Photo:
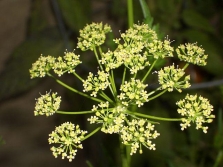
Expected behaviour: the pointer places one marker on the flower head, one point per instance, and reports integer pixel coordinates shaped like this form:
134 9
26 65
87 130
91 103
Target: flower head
112 119
196 110
92 35
139 132
192 53
42 66
169 78
67 138
131 52
133 92
66 63
47 104
96 83
160 49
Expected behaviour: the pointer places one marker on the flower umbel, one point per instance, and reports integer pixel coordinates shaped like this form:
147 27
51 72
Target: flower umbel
96 83
192 53
42 66
47 104
111 118
169 78
139 132
195 109
66 63
68 138
133 93
92 35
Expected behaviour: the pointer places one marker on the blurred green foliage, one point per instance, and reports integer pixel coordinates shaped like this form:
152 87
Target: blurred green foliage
182 20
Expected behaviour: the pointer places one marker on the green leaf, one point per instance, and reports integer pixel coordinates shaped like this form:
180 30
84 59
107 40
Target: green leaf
76 13
15 77
196 20
146 13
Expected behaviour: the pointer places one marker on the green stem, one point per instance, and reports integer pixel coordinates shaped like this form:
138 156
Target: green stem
185 66
74 112
92 133
130 13
123 77
112 81
102 94
78 76
151 67
152 117
124 156
151 98
97 57
74 90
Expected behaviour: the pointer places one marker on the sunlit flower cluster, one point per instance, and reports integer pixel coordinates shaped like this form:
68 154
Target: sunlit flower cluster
196 110
59 65
192 53
42 66
67 139
160 49
137 52
92 35
96 83
112 119
172 78
47 104
66 63
133 93
139 132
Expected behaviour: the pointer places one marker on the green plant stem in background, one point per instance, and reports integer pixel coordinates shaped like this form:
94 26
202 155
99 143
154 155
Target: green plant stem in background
151 67
74 90
126 159
130 13
74 112
152 117
92 133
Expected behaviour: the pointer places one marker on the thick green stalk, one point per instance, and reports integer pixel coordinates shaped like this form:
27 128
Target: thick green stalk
130 13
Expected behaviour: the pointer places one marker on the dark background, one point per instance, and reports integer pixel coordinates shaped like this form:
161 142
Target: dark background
33 27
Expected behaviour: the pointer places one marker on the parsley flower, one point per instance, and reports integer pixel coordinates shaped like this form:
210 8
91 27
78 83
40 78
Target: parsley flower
196 110
133 92
47 104
169 78
96 83
139 132
42 66
160 49
92 35
67 138
192 53
111 118
66 63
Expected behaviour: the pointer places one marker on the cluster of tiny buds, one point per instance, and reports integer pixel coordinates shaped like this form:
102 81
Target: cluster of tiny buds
47 104
196 110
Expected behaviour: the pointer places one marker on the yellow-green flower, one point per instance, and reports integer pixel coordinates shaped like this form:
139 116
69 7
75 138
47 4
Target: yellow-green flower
196 110
47 104
67 139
